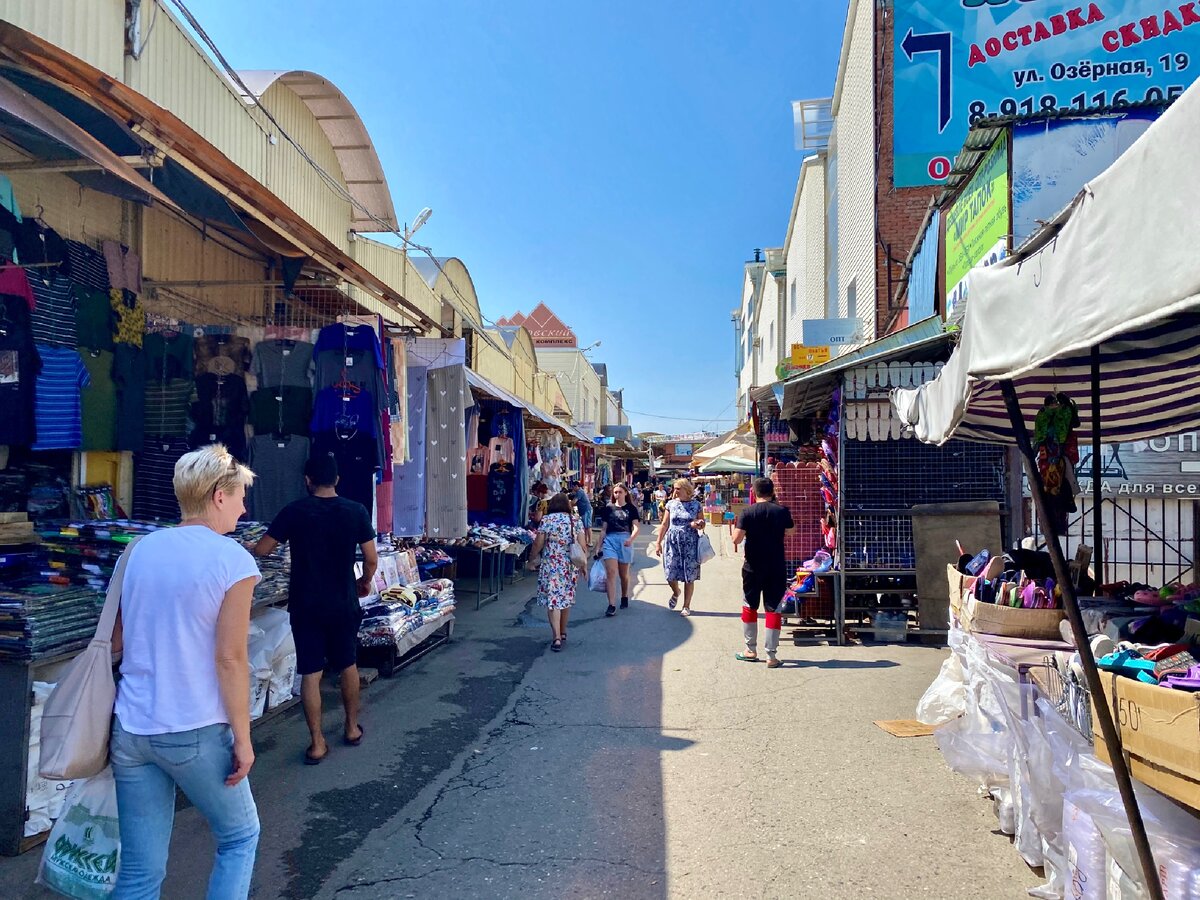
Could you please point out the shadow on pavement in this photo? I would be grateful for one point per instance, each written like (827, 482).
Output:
(840, 664)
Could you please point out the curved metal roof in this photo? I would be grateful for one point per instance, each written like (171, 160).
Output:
(429, 269)
(348, 137)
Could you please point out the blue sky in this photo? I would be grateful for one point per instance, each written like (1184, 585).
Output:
(618, 161)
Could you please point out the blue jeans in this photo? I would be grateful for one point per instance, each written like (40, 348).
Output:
(147, 768)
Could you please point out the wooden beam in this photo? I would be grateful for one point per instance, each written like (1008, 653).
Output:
(38, 166)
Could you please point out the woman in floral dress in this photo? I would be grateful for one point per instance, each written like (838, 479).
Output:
(556, 576)
(679, 542)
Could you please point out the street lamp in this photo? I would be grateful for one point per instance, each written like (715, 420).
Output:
(421, 219)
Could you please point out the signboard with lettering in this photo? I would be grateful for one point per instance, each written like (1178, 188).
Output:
(806, 357)
(977, 223)
(1161, 467)
(960, 62)
(831, 332)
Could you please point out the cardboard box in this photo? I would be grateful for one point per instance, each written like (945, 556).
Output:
(1160, 735)
(1008, 621)
(959, 585)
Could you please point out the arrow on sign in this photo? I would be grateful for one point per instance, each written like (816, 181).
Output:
(939, 43)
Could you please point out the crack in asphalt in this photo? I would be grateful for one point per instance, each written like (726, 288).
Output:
(506, 864)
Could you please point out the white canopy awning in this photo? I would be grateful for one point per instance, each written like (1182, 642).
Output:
(1120, 270)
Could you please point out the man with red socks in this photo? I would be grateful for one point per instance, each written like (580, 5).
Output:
(764, 573)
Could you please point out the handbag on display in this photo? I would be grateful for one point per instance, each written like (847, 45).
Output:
(77, 718)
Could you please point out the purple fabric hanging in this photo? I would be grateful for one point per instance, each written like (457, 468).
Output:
(408, 485)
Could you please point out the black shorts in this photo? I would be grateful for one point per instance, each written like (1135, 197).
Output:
(329, 645)
(770, 588)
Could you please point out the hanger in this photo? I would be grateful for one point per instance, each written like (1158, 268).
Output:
(347, 387)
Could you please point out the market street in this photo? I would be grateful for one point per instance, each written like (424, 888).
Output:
(642, 761)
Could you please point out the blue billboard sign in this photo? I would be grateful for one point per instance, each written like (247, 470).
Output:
(959, 62)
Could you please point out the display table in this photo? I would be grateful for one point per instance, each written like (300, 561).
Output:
(408, 648)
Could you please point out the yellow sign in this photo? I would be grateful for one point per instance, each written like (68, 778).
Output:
(806, 357)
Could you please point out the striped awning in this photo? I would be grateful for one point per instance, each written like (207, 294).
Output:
(1117, 270)
(1149, 378)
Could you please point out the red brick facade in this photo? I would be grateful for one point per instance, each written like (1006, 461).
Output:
(900, 211)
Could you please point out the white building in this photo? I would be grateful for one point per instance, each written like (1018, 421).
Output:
(580, 384)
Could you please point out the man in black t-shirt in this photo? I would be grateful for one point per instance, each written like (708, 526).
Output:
(324, 531)
(764, 573)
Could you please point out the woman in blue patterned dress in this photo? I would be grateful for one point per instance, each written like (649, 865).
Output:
(679, 542)
(556, 576)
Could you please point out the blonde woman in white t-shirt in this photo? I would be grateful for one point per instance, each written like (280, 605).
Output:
(183, 701)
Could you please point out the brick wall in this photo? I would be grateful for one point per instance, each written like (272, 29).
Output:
(901, 211)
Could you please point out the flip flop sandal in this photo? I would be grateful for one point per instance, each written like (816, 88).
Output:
(556, 644)
(315, 760)
(774, 663)
(354, 742)
(745, 657)
(685, 612)
(673, 602)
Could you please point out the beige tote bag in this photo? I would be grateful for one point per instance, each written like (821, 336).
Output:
(77, 718)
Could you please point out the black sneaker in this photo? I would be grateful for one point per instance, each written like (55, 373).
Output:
(611, 611)
(624, 603)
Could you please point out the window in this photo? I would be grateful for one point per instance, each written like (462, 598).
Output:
(772, 333)
(793, 306)
(852, 299)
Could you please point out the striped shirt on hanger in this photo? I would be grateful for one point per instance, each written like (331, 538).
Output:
(57, 399)
(53, 316)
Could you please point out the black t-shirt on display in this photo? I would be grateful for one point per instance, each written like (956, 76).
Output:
(323, 532)
(765, 523)
(619, 519)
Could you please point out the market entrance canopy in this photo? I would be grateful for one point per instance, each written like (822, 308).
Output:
(729, 464)
(1117, 270)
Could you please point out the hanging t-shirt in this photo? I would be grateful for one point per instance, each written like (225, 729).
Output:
(154, 478)
(346, 413)
(129, 377)
(222, 354)
(39, 245)
(93, 318)
(99, 401)
(53, 316)
(338, 338)
(168, 356)
(278, 465)
(87, 266)
(357, 462)
(15, 283)
(283, 363)
(619, 519)
(219, 413)
(57, 401)
(324, 533)
(167, 407)
(124, 266)
(130, 318)
(19, 367)
(282, 409)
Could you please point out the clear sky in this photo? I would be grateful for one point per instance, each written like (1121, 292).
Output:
(618, 161)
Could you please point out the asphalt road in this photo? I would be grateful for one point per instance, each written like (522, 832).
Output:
(643, 761)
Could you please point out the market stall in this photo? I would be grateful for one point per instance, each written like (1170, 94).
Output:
(1095, 342)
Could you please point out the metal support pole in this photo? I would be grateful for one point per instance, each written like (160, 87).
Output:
(1097, 471)
(1071, 605)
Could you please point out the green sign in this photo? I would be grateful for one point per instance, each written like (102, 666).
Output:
(977, 223)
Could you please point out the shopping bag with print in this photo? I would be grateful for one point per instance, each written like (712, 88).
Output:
(598, 578)
(84, 848)
(705, 549)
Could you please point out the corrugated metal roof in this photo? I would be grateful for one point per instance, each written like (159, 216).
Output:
(348, 136)
(428, 268)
